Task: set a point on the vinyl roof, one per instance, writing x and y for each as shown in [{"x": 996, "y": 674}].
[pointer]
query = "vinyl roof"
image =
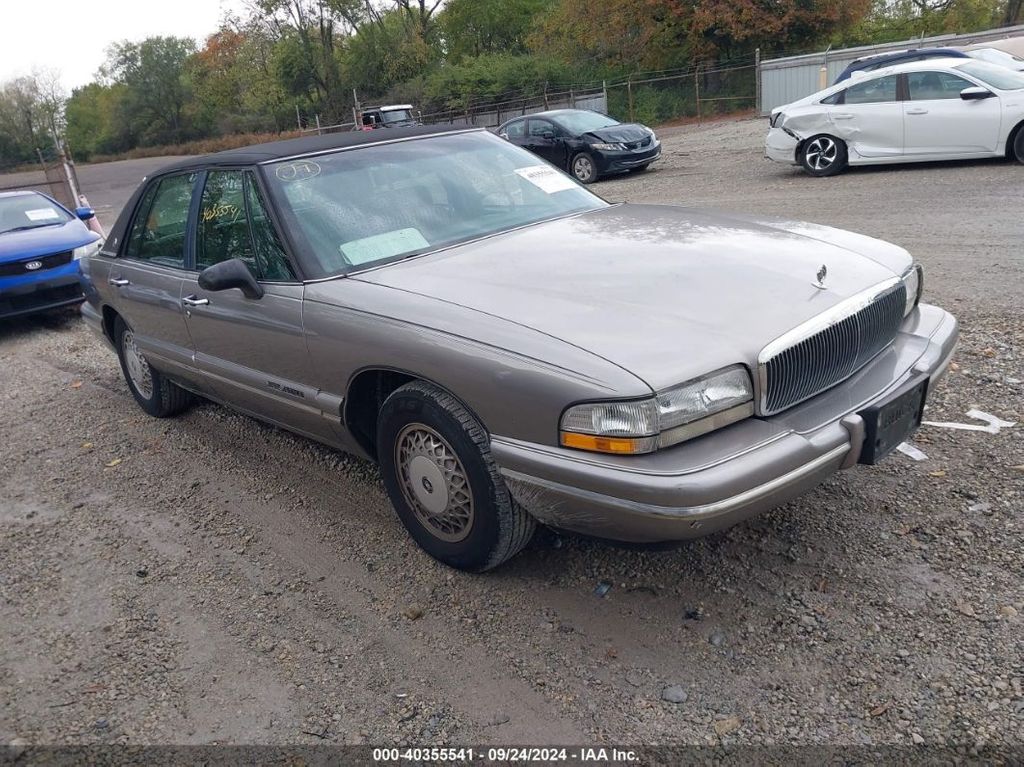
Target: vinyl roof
[{"x": 278, "y": 150}]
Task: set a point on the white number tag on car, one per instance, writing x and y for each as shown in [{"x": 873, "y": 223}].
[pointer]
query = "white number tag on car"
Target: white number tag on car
[
  {"x": 547, "y": 179},
  {"x": 41, "y": 214},
  {"x": 383, "y": 246}
]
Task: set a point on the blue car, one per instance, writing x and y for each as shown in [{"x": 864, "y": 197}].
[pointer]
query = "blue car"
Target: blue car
[
  {"x": 41, "y": 244},
  {"x": 880, "y": 60}
]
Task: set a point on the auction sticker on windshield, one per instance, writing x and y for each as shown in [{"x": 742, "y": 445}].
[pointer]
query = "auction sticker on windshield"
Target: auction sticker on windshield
[
  {"x": 381, "y": 246},
  {"x": 41, "y": 214},
  {"x": 548, "y": 179}
]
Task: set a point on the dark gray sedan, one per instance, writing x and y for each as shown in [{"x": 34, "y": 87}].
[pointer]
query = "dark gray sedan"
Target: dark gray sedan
[{"x": 509, "y": 347}]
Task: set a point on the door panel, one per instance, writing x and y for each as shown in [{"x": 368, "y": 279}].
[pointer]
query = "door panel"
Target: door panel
[
  {"x": 252, "y": 350},
  {"x": 939, "y": 122},
  {"x": 145, "y": 282},
  {"x": 551, "y": 149},
  {"x": 870, "y": 119}
]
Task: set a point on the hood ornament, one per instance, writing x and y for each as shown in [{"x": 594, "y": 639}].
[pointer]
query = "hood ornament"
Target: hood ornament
[{"x": 822, "y": 274}]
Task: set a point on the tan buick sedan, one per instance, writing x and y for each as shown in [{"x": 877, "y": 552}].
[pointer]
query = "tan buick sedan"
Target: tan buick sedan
[{"x": 510, "y": 348}]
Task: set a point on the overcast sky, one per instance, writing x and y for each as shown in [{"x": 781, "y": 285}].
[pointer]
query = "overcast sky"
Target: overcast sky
[{"x": 70, "y": 35}]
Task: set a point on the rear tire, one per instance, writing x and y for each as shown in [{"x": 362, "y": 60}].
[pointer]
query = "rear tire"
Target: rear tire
[
  {"x": 824, "y": 155},
  {"x": 583, "y": 168},
  {"x": 155, "y": 394},
  {"x": 435, "y": 459}
]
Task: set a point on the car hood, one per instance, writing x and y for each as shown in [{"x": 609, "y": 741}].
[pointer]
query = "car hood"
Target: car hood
[
  {"x": 666, "y": 293},
  {"x": 620, "y": 134},
  {"x": 30, "y": 243}
]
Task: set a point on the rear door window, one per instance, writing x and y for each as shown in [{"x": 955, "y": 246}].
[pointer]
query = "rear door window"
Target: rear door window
[{"x": 158, "y": 232}]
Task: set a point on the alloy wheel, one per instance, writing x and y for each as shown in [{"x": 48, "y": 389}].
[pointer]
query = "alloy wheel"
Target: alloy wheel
[
  {"x": 821, "y": 153},
  {"x": 434, "y": 482}
]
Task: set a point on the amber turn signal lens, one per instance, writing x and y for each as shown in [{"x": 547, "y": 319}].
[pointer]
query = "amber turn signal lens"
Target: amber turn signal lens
[{"x": 618, "y": 445}]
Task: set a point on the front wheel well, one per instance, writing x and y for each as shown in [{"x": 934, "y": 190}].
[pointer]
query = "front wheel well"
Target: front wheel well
[
  {"x": 1012, "y": 138},
  {"x": 366, "y": 395},
  {"x": 110, "y": 316}
]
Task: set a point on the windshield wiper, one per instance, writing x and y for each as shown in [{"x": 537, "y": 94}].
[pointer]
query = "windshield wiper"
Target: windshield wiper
[{"x": 32, "y": 226}]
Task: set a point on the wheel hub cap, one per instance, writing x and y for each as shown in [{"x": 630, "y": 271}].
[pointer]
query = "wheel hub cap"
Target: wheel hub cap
[
  {"x": 138, "y": 368},
  {"x": 434, "y": 482},
  {"x": 581, "y": 167}
]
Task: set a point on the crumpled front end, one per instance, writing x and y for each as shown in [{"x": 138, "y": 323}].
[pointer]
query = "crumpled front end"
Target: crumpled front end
[{"x": 781, "y": 145}]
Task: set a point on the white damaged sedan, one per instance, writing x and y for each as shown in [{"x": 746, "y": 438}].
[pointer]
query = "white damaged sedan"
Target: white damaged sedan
[{"x": 940, "y": 109}]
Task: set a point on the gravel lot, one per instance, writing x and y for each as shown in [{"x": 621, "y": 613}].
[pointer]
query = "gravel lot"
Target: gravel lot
[{"x": 210, "y": 579}]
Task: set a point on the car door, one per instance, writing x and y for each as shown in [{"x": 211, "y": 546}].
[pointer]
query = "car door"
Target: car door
[
  {"x": 939, "y": 122},
  {"x": 869, "y": 118},
  {"x": 544, "y": 139},
  {"x": 147, "y": 276},
  {"x": 515, "y": 132},
  {"x": 252, "y": 350}
]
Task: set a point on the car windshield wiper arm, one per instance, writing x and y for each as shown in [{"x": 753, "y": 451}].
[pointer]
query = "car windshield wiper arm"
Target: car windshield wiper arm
[{"x": 31, "y": 226}]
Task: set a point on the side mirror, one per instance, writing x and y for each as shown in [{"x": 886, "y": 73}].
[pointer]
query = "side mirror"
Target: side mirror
[
  {"x": 548, "y": 134},
  {"x": 503, "y": 135},
  {"x": 976, "y": 94},
  {"x": 84, "y": 214},
  {"x": 232, "y": 273}
]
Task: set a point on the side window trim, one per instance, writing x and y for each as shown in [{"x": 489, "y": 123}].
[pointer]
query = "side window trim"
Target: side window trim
[{"x": 192, "y": 227}]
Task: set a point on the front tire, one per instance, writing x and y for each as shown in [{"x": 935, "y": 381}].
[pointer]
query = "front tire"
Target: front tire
[
  {"x": 824, "y": 155},
  {"x": 155, "y": 394},
  {"x": 1018, "y": 145},
  {"x": 436, "y": 463},
  {"x": 583, "y": 168}
]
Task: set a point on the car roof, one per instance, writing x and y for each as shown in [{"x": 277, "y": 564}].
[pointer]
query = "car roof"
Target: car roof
[
  {"x": 551, "y": 113},
  {"x": 19, "y": 193},
  {"x": 297, "y": 147},
  {"x": 933, "y": 52}
]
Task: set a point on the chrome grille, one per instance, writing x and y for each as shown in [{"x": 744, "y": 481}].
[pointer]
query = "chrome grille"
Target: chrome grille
[{"x": 829, "y": 349}]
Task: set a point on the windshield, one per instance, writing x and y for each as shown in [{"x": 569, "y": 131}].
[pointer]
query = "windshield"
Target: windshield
[
  {"x": 358, "y": 208},
  {"x": 584, "y": 122},
  {"x": 396, "y": 115},
  {"x": 998, "y": 77},
  {"x": 29, "y": 211},
  {"x": 994, "y": 56}
]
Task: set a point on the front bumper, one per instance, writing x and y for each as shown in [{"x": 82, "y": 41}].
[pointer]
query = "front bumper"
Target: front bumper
[
  {"x": 42, "y": 291},
  {"x": 717, "y": 480},
  {"x": 781, "y": 146},
  {"x": 620, "y": 161}
]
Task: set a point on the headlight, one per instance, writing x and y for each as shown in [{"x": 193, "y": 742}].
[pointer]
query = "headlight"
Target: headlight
[
  {"x": 913, "y": 281},
  {"x": 87, "y": 250},
  {"x": 668, "y": 418},
  {"x": 607, "y": 147},
  {"x": 776, "y": 119}
]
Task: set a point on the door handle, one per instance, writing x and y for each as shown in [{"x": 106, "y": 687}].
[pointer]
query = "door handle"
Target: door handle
[
  {"x": 842, "y": 116},
  {"x": 193, "y": 301},
  {"x": 917, "y": 111},
  {"x": 119, "y": 283}
]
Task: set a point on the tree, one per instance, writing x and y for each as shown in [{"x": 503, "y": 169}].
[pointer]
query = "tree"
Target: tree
[
  {"x": 156, "y": 90},
  {"x": 473, "y": 27}
]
